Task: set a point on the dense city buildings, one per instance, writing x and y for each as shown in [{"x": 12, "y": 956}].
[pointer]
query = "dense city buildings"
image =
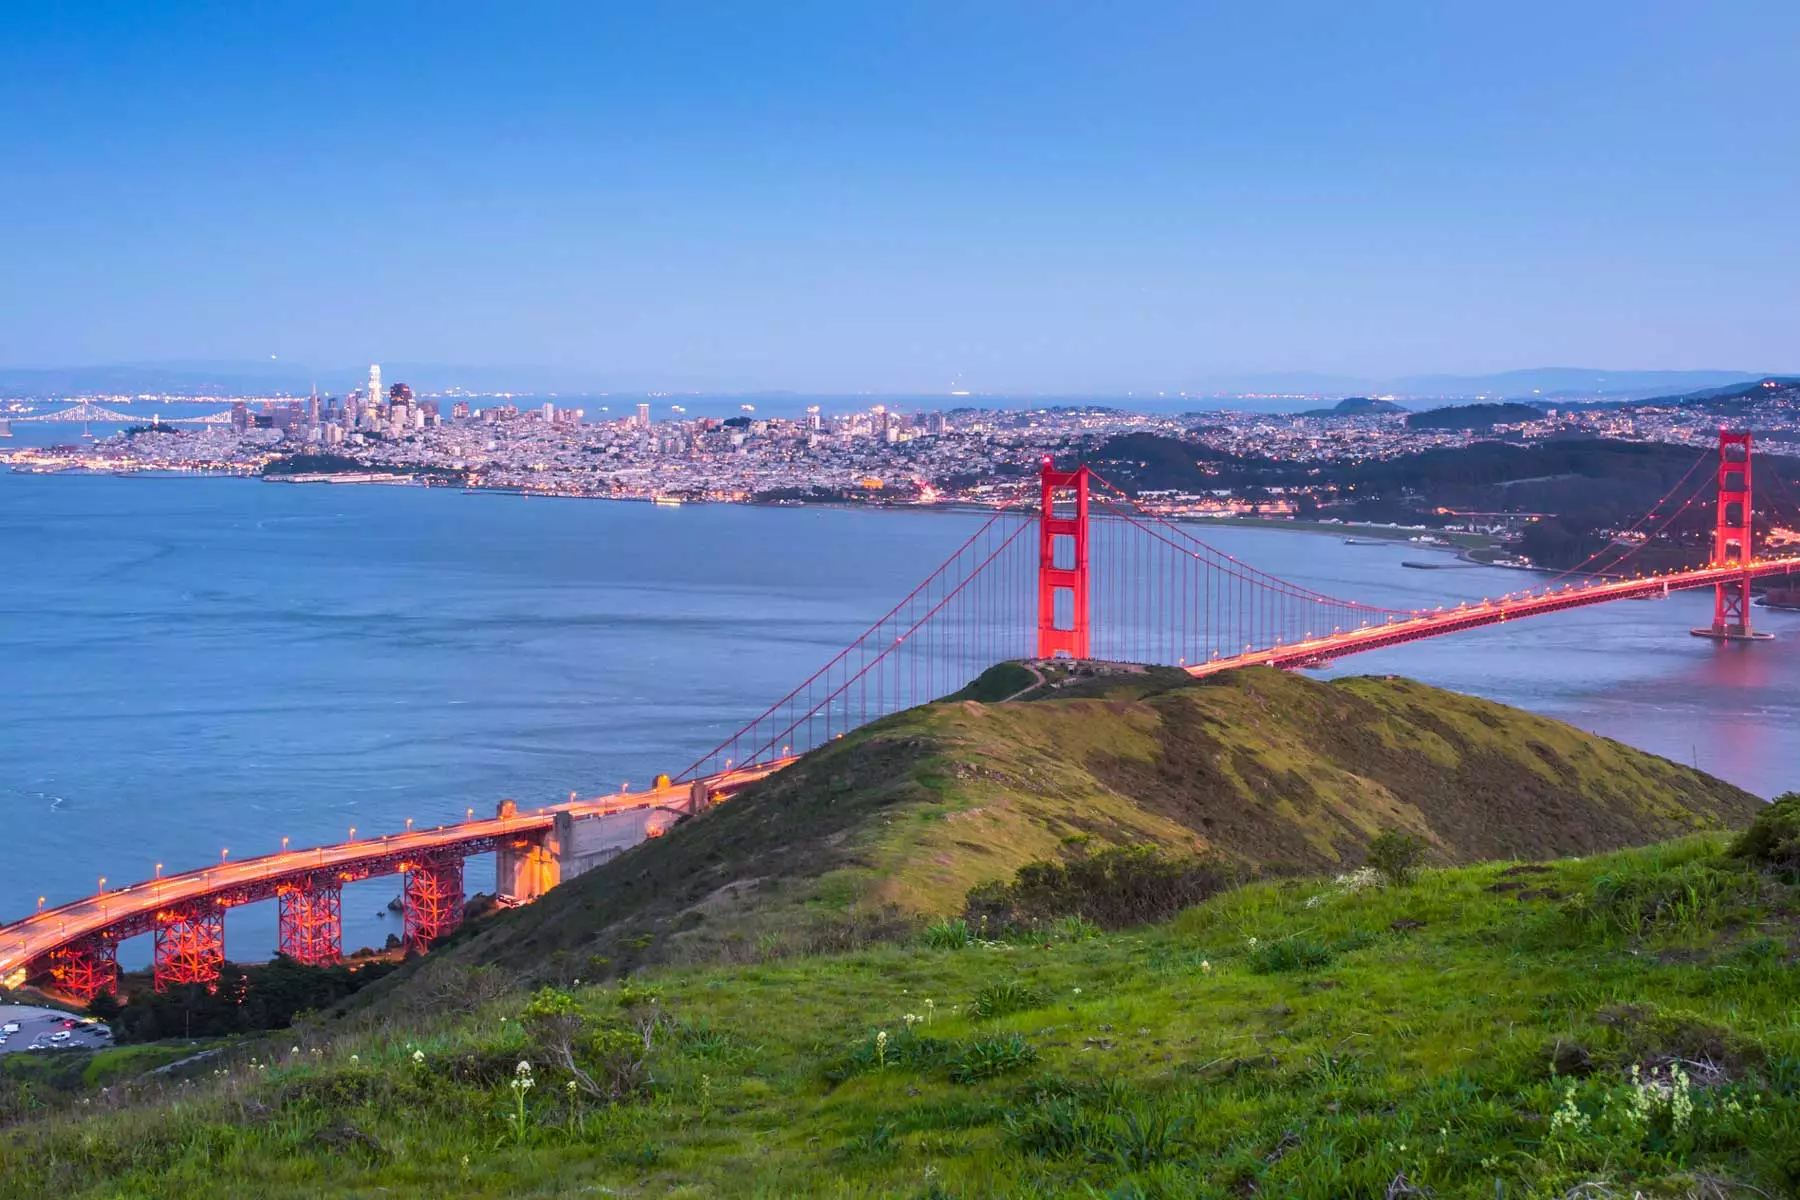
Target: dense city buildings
[{"x": 968, "y": 454}]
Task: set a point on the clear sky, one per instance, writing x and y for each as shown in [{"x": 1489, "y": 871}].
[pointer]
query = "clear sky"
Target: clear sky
[{"x": 897, "y": 196}]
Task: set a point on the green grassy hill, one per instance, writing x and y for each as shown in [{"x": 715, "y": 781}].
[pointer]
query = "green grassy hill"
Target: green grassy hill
[
  {"x": 1606, "y": 1027},
  {"x": 1274, "y": 772}
]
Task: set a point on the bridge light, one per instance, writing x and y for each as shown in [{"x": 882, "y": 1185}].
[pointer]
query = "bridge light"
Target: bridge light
[
  {"x": 158, "y": 874},
  {"x": 224, "y": 853},
  {"x": 40, "y": 904},
  {"x": 284, "y": 843},
  {"x": 409, "y": 824},
  {"x": 469, "y": 815},
  {"x": 102, "y": 883},
  {"x": 353, "y": 833}
]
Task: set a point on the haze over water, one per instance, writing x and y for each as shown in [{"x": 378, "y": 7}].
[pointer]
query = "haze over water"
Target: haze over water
[{"x": 197, "y": 664}]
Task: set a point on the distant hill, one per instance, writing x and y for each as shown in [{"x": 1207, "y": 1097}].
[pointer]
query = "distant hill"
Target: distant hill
[
  {"x": 1356, "y": 406},
  {"x": 1473, "y": 416},
  {"x": 1273, "y": 771}
]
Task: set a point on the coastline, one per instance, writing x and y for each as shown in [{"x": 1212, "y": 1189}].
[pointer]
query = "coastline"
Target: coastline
[{"x": 1460, "y": 543}]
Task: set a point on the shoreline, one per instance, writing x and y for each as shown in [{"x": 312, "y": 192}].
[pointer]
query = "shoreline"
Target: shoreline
[{"x": 1461, "y": 544}]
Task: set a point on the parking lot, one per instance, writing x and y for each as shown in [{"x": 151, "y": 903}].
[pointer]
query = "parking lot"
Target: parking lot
[{"x": 26, "y": 1028}]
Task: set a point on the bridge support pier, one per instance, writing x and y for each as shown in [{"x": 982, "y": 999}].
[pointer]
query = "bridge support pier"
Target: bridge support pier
[
  {"x": 433, "y": 900},
  {"x": 84, "y": 969},
  {"x": 190, "y": 946},
  {"x": 311, "y": 922}
]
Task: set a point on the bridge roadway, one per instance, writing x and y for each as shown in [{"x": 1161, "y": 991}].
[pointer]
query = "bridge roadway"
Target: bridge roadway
[
  {"x": 1317, "y": 651},
  {"x": 131, "y": 910}
]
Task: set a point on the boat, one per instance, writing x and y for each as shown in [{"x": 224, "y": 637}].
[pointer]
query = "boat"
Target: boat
[{"x": 1356, "y": 541}]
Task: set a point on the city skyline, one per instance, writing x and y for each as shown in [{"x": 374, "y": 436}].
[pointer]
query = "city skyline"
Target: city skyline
[{"x": 1019, "y": 200}]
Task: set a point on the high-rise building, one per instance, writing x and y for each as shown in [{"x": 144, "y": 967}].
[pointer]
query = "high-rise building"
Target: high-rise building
[
  {"x": 812, "y": 417},
  {"x": 643, "y": 416},
  {"x": 374, "y": 395},
  {"x": 549, "y": 413}
]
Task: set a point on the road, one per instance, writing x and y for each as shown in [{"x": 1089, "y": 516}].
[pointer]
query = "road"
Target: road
[{"x": 131, "y": 910}]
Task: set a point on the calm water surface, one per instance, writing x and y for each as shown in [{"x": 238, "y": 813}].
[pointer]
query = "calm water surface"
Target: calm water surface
[{"x": 191, "y": 665}]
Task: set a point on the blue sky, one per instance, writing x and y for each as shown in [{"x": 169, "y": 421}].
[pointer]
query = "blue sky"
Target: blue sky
[{"x": 841, "y": 196}]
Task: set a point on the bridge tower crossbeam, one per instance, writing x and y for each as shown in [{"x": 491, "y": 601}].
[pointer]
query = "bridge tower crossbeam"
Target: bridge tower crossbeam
[{"x": 190, "y": 946}]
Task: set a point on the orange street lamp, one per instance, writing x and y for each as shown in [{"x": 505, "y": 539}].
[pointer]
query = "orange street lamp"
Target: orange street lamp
[
  {"x": 409, "y": 824},
  {"x": 158, "y": 871},
  {"x": 40, "y": 904},
  {"x": 102, "y": 883},
  {"x": 469, "y": 815},
  {"x": 353, "y": 833},
  {"x": 224, "y": 853},
  {"x": 284, "y": 842}
]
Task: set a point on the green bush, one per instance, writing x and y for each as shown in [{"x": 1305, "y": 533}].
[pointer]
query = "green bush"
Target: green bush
[
  {"x": 1288, "y": 954},
  {"x": 1115, "y": 888},
  {"x": 1395, "y": 855},
  {"x": 1637, "y": 900},
  {"x": 1772, "y": 842},
  {"x": 1004, "y": 999},
  {"x": 950, "y": 933},
  {"x": 985, "y": 1058}
]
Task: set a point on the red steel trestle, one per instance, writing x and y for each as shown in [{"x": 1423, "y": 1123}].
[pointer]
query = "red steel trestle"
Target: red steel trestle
[
  {"x": 433, "y": 899},
  {"x": 311, "y": 922},
  {"x": 190, "y": 945},
  {"x": 82, "y": 970}
]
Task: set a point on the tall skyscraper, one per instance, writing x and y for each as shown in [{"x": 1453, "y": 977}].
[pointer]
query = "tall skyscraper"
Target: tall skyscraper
[
  {"x": 374, "y": 384},
  {"x": 643, "y": 416}
]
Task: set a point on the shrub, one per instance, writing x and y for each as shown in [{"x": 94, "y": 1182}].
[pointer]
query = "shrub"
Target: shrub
[
  {"x": 1114, "y": 888},
  {"x": 609, "y": 1061},
  {"x": 1772, "y": 842},
  {"x": 1288, "y": 954},
  {"x": 1395, "y": 856},
  {"x": 1003, "y": 999},
  {"x": 1636, "y": 900},
  {"x": 985, "y": 1058},
  {"x": 951, "y": 933}
]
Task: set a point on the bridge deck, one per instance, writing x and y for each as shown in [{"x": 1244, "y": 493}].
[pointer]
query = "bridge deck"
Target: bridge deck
[
  {"x": 1489, "y": 612},
  {"x": 132, "y": 910}
]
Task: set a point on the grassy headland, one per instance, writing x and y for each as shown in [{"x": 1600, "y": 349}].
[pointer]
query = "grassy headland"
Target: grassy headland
[
  {"x": 781, "y": 997},
  {"x": 1581, "y": 1028},
  {"x": 1271, "y": 772}
]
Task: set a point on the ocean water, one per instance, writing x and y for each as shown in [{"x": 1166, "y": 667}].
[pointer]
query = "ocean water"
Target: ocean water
[{"x": 197, "y": 666}]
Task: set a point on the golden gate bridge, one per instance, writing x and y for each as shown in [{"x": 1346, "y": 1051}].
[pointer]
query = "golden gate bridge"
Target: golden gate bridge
[{"x": 1084, "y": 574}]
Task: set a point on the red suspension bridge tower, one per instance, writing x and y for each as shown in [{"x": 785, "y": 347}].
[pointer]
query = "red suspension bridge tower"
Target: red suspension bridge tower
[
  {"x": 1063, "y": 563},
  {"x": 1732, "y": 545}
]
